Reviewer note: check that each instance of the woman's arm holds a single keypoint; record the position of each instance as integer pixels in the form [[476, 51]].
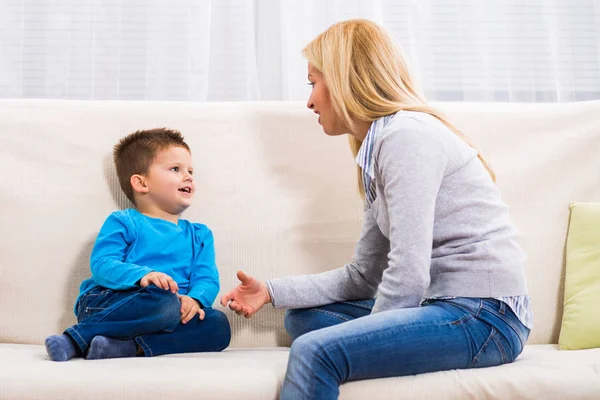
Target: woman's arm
[[357, 280], [411, 163]]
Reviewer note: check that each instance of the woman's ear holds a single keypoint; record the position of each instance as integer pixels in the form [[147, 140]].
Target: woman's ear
[[138, 183]]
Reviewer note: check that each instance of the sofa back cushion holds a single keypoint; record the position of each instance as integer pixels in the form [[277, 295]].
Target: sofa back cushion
[[279, 195]]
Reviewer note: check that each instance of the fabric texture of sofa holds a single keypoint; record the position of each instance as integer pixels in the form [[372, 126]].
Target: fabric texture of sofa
[[280, 197]]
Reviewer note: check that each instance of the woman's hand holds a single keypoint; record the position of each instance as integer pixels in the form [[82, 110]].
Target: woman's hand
[[248, 297]]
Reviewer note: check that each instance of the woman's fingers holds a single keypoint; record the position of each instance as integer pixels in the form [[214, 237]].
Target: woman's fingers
[[226, 298]]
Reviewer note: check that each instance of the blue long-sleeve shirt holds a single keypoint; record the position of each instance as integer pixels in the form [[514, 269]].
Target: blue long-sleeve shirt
[[131, 245]]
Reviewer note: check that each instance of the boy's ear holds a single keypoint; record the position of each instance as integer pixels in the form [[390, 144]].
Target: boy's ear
[[138, 183]]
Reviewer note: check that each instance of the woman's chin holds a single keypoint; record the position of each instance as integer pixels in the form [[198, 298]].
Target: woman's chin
[[330, 132]]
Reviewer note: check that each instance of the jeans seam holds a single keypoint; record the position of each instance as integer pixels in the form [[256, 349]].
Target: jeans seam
[[461, 320], [331, 313], [500, 346], [507, 321], [483, 347], [469, 314], [355, 303], [78, 339], [125, 302], [84, 300], [144, 346], [95, 308]]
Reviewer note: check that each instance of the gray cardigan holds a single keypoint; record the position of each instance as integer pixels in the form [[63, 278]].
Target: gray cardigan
[[437, 227]]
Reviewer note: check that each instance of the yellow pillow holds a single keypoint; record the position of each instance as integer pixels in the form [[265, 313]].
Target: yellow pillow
[[581, 318]]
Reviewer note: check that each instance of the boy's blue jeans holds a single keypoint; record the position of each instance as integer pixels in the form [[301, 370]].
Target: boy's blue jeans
[[151, 316], [343, 342]]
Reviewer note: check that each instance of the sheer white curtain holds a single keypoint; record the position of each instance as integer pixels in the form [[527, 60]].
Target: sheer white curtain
[[223, 50]]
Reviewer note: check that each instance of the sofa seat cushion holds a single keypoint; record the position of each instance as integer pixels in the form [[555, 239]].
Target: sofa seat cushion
[[540, 372]]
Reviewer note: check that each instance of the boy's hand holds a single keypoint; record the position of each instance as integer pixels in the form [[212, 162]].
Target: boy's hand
[[248, 297], [189, 309], [161, 280]]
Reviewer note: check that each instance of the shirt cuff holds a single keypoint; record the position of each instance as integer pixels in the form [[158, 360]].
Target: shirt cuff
[[270, 290]]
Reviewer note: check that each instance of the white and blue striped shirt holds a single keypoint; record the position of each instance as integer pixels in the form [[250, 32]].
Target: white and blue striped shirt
[[520, 305]]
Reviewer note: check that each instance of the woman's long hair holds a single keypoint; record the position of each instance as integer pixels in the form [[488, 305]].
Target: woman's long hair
[[368, 77]]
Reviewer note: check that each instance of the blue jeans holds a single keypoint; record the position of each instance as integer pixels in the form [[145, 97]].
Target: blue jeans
[[151, 317], [344, 342]]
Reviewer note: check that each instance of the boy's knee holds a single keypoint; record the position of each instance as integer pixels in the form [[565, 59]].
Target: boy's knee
[[162, 303], [220, 326]]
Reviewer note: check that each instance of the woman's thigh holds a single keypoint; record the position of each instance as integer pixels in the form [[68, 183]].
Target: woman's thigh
[[303, 320], [438, 336]]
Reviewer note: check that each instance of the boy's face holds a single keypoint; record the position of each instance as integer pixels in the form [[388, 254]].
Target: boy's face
[[169, 181]]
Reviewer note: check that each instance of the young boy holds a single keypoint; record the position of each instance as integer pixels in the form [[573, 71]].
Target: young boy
[[154, 276]]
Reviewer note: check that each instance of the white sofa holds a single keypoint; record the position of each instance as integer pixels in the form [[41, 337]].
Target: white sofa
[[281, 199]]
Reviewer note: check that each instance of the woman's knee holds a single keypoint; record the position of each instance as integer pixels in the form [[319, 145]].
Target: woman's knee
[[311, 352], [301, 321], [304, 348], [296, 322]]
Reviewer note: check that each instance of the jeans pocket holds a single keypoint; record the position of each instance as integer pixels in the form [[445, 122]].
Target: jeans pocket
[[493, 351], [92, 303]]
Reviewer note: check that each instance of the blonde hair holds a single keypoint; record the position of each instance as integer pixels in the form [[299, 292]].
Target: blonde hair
[[368, 77]]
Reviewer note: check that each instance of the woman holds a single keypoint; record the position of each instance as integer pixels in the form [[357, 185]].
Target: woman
[[437, 280]]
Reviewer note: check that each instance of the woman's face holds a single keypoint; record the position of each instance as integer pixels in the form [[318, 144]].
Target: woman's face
[[320, 102]]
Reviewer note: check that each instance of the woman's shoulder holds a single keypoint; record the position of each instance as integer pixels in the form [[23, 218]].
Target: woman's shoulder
[[419, 133], [414, 128], [410, 130], [414, 125]]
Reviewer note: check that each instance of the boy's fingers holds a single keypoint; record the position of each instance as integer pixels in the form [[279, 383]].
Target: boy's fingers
[[188, 308], [172, 285], [164, 282], [191, 314], [186, 317], [201, 314], [154, 280]]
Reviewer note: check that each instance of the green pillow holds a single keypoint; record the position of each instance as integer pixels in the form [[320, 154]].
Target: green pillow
[[581, 318]]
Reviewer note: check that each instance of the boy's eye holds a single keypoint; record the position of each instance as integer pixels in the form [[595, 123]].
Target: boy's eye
[[191, 172], [175, 169]]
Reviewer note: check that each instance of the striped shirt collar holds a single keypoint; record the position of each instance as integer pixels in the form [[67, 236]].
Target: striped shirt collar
[[365, 160]]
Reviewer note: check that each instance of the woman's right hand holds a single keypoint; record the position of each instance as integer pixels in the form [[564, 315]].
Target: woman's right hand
[[248, 297]]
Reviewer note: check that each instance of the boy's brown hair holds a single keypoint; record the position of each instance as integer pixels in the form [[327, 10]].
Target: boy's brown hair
[[135, 152]]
